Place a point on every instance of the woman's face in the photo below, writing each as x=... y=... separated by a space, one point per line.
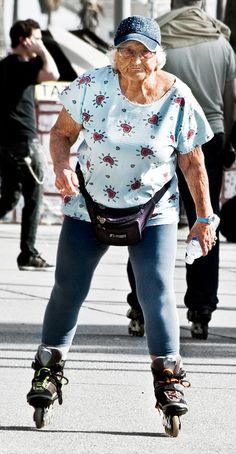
x=134 y=61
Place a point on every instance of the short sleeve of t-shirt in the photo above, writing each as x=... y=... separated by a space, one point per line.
x=231 y=68
x=193 y=127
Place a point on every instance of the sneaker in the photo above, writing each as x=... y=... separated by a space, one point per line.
x=36 y=263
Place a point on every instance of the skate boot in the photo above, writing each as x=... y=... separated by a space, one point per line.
x=46 y=384
x=169 y=383
x=136 y=324
x=200 y=320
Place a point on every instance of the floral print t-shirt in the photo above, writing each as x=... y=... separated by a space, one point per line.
x=131 y=149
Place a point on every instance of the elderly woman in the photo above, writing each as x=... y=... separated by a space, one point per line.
x=137 y=121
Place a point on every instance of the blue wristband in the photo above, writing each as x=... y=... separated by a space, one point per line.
x=204 y=220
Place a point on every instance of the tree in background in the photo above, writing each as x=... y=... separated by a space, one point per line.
x=89 y=14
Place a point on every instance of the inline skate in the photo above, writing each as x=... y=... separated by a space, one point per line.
x=46 y=384
x=168 y=382
x=136 y=324
x=200 y=320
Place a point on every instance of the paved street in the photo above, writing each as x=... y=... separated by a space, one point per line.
x=109 y=404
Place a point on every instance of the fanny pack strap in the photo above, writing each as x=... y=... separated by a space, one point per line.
x=159 y=194
x=155 y=199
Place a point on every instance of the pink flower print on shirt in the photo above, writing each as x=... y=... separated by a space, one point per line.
x=126 y=128
x=108 y=159
x=145 y=152
x=166 y=176
x=134 y=185
x=67 y=200
x=100 y=99
x=111 y=193
x=87 y=117
x=99 y=136
x=190 y=133
x=153 y=120
x=179 y=100
x=172 y=138
x=173 y=198
x=85 y=80
x=89 y=166
x=66 y=90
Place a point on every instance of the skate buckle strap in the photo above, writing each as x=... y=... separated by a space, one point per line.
x=171 y=377
x=172 y=385
x=41 y=378
x=45 y=375
x=173 y=394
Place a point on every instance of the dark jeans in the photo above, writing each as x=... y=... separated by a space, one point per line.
x=202 y=276
x=17 y=180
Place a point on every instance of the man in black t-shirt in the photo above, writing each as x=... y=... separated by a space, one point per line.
x=21 y=156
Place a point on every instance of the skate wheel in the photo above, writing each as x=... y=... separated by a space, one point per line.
x=199 y=331
x=136 y=329
x=43 y=417
x=172 y=425
x=38 y=418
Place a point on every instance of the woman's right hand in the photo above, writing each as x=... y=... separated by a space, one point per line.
x=67 y=182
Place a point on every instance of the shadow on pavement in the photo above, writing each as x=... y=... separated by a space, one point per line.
x=114 y=339
x=101 y=432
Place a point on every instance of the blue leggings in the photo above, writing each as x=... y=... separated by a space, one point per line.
x=153 y=262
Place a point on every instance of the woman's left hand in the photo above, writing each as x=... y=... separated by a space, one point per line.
x=206 y=236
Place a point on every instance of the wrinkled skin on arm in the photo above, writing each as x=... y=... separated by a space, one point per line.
x=63 y=135
x=193 y=167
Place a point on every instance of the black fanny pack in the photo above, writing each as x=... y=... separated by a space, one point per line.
x=118 y=226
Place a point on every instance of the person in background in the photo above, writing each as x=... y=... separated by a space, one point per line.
x=123 y=167
x=199 y=53
x=21 y=155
